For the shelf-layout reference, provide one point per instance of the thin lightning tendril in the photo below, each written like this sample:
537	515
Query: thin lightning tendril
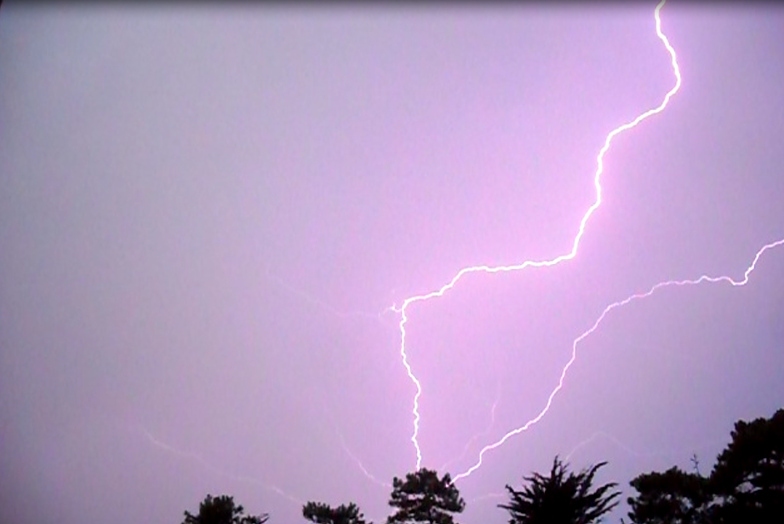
198	458
531	263
313	301
614	305
348	451
361	466
709	444
478	435
609	437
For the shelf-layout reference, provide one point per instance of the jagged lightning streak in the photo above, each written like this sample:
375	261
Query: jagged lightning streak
586	333
533	263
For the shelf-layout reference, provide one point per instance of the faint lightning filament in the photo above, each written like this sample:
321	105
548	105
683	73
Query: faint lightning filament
218	471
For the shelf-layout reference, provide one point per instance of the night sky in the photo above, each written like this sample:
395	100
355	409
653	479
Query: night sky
210	218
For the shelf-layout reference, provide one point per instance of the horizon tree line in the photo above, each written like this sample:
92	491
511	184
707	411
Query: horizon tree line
745	486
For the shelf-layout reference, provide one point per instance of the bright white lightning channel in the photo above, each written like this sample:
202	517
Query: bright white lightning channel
403	310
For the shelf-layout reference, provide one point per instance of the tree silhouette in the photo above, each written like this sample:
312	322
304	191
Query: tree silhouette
745	486
749	474
423	497
672	497
222	510
321	513
560	498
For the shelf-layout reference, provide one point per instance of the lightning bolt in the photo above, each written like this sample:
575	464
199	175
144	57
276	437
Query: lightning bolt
403	309
594	327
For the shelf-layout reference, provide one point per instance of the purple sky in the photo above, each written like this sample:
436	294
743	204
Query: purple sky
204	214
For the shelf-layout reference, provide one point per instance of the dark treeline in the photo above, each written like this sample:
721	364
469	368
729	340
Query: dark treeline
745	486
